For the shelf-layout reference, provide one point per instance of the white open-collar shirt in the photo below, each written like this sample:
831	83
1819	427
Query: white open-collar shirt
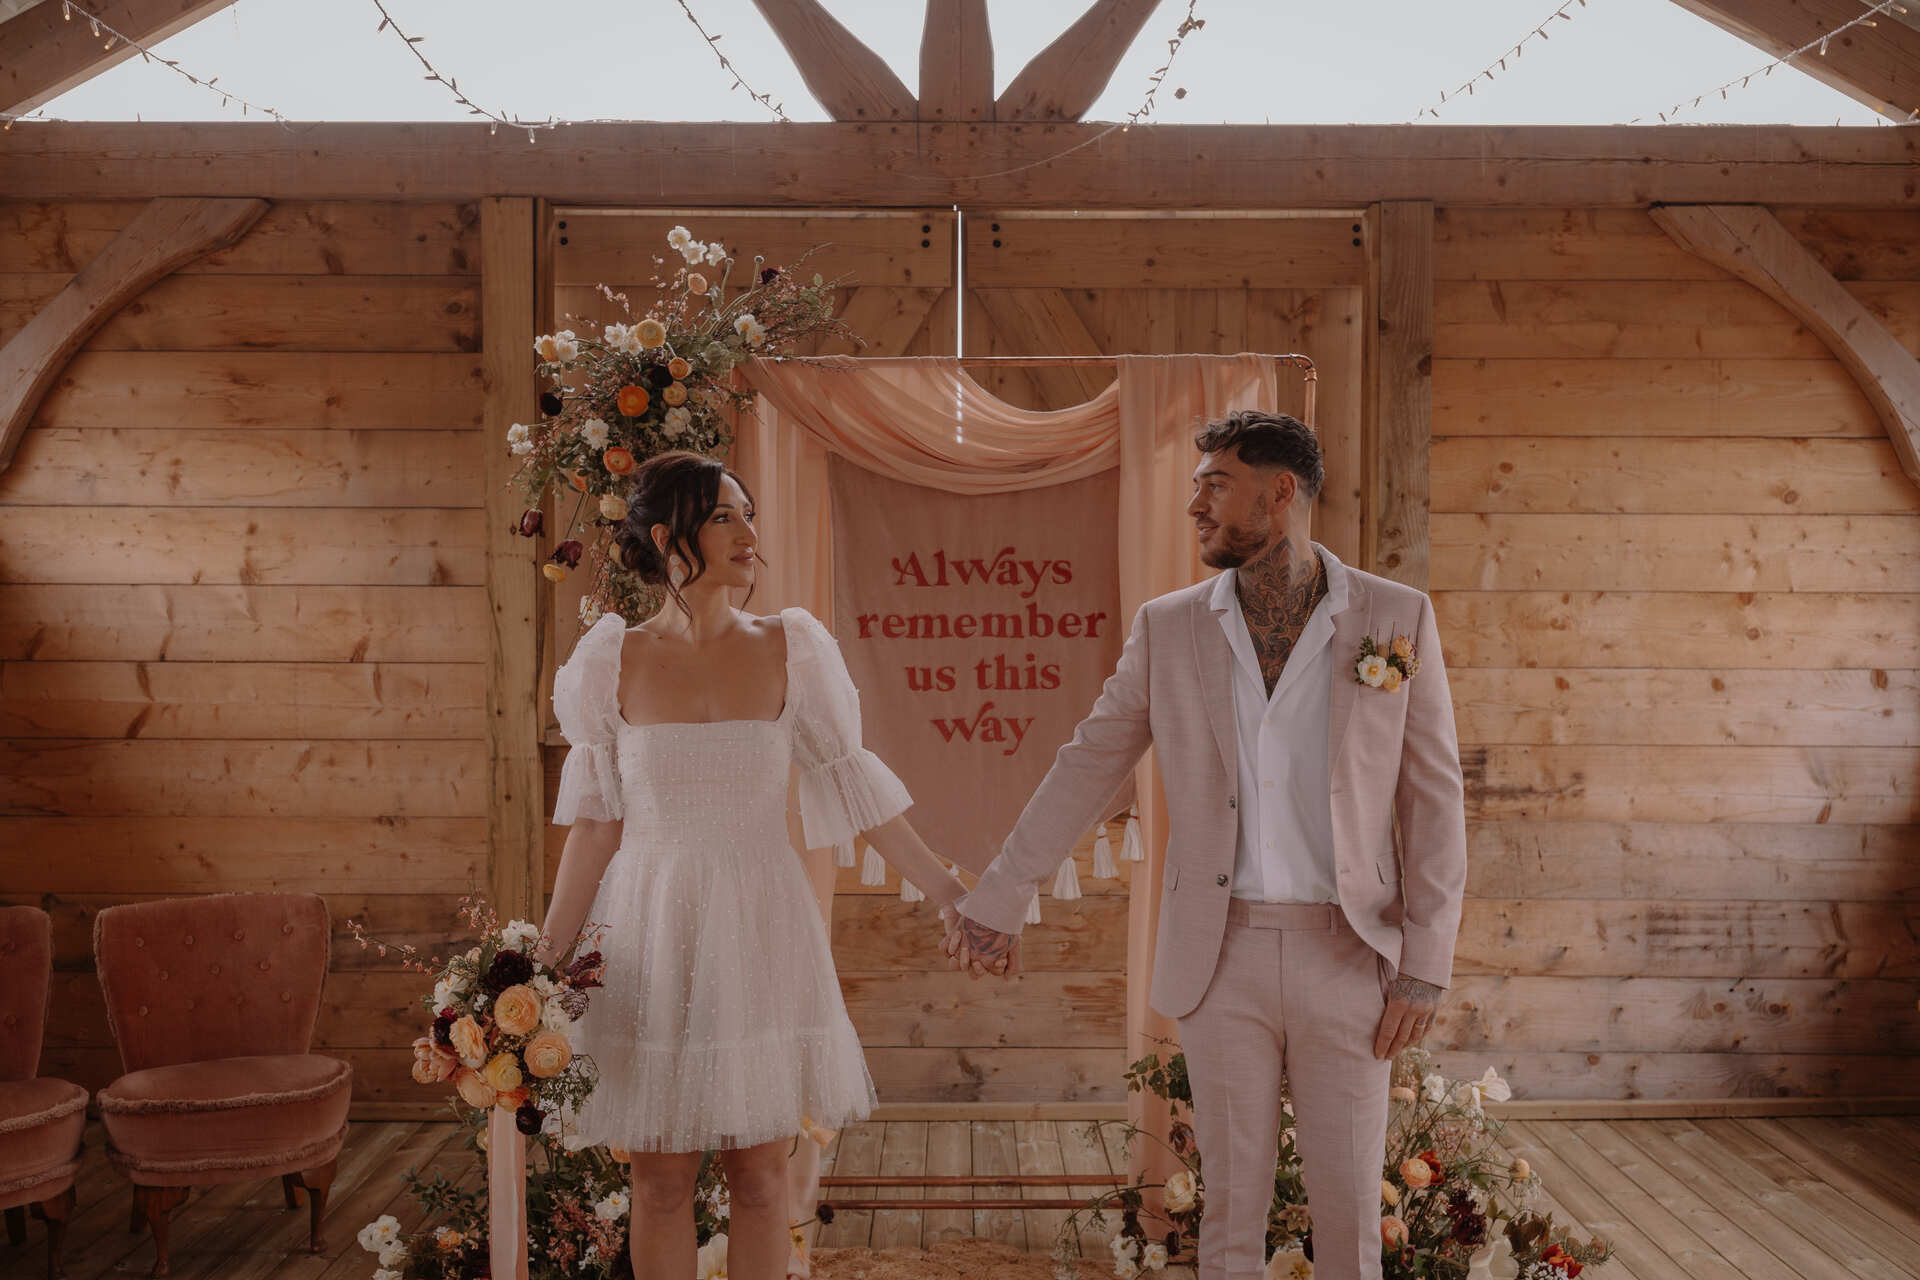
1285	848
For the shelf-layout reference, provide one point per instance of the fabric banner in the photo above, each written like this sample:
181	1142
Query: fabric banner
979	629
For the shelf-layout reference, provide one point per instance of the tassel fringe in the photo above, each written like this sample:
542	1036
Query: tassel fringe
910	892
1033	909
1066	884
1103	868
874	870
1132	847
843	854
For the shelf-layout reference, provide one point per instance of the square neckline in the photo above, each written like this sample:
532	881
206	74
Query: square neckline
786	696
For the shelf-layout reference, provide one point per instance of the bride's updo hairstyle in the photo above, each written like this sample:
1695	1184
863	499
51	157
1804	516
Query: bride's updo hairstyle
680	490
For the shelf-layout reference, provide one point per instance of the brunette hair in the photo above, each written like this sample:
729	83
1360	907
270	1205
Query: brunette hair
680	490
1262	439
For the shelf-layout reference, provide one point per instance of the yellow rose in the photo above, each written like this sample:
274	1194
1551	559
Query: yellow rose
1416	1173
651	333
517	1011
503	1073
1391	680
1402	647
548	1054
1180	1192
1389	1194
469	1041
473	1091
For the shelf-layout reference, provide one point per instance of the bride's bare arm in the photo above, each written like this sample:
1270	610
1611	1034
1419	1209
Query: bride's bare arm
590	847
907	853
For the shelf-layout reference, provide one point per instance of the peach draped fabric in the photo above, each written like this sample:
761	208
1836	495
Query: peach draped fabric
926	422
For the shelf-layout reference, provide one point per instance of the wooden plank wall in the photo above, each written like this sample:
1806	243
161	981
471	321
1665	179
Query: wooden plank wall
243	618
1677	570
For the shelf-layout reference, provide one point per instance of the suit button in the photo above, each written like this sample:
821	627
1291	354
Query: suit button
1219	879
1233	802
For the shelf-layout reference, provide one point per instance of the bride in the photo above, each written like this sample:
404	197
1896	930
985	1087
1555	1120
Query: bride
721	1022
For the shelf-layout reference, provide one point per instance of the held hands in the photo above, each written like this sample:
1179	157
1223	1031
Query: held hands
1411	1006
977	948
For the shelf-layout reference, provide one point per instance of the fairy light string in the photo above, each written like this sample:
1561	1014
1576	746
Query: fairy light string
1486	73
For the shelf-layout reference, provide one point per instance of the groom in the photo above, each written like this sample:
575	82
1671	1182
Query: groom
1292	770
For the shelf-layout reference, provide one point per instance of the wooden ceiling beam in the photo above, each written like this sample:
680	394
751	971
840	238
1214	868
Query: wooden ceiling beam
999	166
956	62
1749	242
850	81
1067	77
1877	65
43	54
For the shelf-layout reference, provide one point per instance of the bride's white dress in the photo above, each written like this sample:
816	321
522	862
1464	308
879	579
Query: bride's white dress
721	1021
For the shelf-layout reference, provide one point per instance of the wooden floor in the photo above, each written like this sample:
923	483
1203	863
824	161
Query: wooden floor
1772	1199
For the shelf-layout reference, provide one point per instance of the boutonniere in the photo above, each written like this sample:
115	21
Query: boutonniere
1386	670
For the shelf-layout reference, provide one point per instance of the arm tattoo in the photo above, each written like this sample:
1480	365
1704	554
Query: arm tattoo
986	942
1414	992
1278	593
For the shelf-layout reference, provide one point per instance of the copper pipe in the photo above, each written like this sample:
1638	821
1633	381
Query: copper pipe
973	1180
862	1206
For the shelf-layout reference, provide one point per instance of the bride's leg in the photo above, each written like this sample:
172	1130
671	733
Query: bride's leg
757	1239
661	1215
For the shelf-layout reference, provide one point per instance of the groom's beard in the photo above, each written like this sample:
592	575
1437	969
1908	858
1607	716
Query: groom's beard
1240	543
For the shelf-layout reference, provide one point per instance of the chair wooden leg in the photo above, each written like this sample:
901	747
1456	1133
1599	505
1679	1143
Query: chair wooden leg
17	1225
317	1182
57	1211
290	1186
155	1205
136	1219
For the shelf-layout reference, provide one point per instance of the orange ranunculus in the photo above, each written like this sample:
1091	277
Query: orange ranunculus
633	400
432	1063
620	1155
675	394
502	1073
513	1099
1555	1256
553	572
651	334
517	1011
473	1091
469	1041
577	480
1393	1231
1416	1173
618	461
679	368
547	1054
1434	1163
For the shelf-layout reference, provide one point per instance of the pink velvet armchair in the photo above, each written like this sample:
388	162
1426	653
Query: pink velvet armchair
41	1119
212	1002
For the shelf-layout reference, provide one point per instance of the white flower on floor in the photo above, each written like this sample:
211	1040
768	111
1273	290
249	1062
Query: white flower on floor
590	1254
521	935
379	1233
518	441
1493	1261
711	1263
613	1208
750	328
1181	1192
1154	1257
576	1141
394	1254
1471	1093
1126	1256
1434	1088
384	1274
1289	1264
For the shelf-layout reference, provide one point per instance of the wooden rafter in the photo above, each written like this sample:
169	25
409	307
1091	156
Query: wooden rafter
162	238
1399	429
1067	77
956	61
901	166
43	54
1878	65
848	80
1750	242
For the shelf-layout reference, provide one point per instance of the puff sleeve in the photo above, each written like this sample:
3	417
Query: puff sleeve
844	788
586	700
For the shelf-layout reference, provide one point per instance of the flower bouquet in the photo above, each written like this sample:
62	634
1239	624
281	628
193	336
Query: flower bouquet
639	387
1453	1206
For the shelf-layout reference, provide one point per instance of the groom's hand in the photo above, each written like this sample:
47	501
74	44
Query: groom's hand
980	949
1411	1006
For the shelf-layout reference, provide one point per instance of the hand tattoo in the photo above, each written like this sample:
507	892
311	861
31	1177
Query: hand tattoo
1278	593
1414	992
985	942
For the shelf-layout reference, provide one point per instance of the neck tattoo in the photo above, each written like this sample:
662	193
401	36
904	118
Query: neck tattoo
1278	593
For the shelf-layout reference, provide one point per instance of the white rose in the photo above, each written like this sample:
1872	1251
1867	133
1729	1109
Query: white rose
594	432
1372	670
716	254
615	335
694	252
547	347
521	935
460	982
442	995
1124	1247
679	238
519	438
750	328
1435	1088
1155	1257
384	1274
613	1208
565	346
1180	1193
379	1233
1126	1268
1289	1264
546	988
677	422
554	1017
393	1255
711	1264
576	1142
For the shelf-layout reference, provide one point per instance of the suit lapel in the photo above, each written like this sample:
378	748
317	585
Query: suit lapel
1349	628
1214	658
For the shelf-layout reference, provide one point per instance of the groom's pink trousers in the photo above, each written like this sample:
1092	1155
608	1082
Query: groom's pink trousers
1296	994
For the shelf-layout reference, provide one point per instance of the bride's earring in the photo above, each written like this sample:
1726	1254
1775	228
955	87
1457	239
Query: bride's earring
677	572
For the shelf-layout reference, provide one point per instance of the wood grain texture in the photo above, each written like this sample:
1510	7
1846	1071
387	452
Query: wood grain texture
943	1008
1014	250
1875	63
1399	433
166	233
1066	78
1751	244
43	54
848	80
906	249
956	62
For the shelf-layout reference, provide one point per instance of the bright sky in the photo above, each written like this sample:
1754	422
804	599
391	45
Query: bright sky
1283	61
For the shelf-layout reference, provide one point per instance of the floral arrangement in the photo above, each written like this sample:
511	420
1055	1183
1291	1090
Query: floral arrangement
1389	669
639	387
1453	1206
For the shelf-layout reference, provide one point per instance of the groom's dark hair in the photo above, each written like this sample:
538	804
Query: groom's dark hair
1262	439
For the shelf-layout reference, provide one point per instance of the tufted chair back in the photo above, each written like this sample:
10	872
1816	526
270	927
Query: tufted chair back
228	976
26	977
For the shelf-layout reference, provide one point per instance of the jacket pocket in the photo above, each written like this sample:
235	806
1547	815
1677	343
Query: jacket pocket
1171	880
1389	868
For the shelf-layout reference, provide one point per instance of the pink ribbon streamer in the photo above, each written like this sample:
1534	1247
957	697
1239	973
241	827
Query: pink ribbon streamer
506	1197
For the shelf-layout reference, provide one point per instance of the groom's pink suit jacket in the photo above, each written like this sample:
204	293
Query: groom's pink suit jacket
1395	763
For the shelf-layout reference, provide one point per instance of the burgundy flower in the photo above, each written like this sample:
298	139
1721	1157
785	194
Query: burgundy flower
574	1002
533	522
528	1119
443	1029
825	1214
585	970
1173	1243
769	274
550	403
568	553
508	969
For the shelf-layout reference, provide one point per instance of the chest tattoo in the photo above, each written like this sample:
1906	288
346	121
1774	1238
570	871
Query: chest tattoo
1276	608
